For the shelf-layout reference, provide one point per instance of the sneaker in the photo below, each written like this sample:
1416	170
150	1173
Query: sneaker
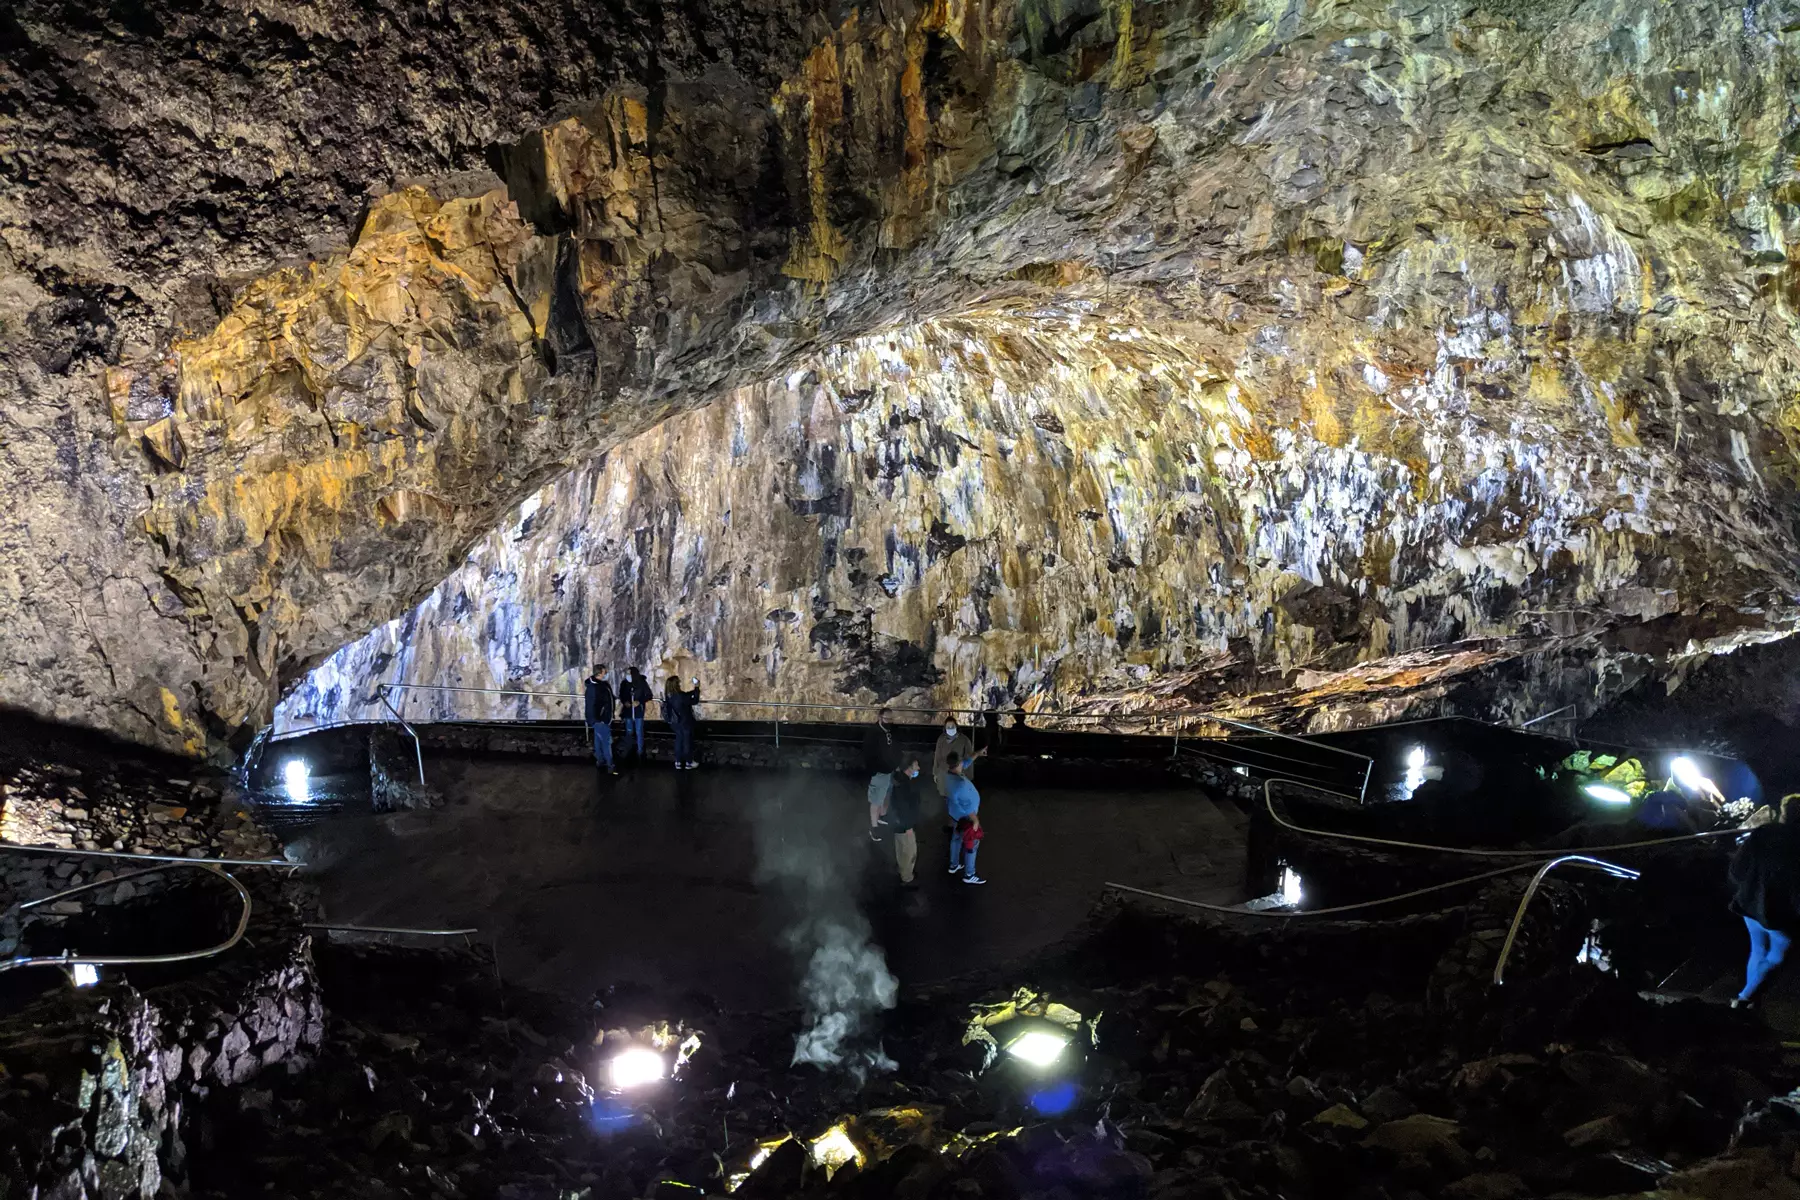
873	836
612	770
681	766
883	821
909	885
693	766
974	879
956	870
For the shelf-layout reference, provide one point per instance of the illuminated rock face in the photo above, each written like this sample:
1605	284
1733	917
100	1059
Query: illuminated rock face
1485	314
1044	510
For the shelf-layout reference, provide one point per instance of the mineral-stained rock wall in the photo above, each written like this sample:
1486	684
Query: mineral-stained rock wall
1033	507
1386	224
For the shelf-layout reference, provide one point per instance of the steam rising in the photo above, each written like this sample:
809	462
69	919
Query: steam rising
846	981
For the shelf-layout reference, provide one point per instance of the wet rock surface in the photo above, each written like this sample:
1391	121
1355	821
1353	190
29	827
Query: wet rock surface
1293	1065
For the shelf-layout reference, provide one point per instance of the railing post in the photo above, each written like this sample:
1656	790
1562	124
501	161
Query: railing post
778	729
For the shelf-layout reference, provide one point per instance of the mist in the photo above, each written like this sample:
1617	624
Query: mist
845	982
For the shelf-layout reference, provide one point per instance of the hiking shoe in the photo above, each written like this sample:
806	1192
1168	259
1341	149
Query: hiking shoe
973	879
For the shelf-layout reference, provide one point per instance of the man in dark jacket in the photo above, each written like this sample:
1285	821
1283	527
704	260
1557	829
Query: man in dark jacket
597	710
634	694
1765	891
879	751
678	710
903	816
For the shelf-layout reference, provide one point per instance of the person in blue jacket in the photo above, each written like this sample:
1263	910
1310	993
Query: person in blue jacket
597	710
964	804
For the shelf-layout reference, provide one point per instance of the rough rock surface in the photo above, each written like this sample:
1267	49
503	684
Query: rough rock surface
1539	245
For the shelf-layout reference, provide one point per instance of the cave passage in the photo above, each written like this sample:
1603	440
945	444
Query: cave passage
657	877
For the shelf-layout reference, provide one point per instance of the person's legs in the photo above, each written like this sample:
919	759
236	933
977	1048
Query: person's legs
969	860
906	853
636	725
603	743
1767	950
955	851
684	742
594	730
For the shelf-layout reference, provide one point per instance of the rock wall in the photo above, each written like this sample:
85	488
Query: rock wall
1385	225
1029	508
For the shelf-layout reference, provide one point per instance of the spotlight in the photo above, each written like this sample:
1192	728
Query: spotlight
636	1067
1605	794
294	781
84	974
1038	1047
1687	773
1290	886
1415	758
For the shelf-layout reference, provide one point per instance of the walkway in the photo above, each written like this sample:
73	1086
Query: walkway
665	878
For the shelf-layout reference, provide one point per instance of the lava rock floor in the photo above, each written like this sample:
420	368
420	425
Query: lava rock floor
1323	1062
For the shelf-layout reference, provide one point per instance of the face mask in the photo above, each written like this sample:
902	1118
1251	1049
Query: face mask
912	772
949	731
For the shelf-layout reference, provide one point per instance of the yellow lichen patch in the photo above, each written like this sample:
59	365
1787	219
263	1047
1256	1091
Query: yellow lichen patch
193	741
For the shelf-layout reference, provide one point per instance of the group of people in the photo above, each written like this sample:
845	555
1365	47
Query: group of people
895	806
599	700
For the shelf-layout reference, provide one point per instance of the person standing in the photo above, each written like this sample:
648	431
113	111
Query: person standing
597	710
903	816
880	753
964	804
678	708
951	739
1765	891
634	694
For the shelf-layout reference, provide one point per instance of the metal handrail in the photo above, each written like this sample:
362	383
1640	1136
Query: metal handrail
69	958
11	848
1555	712
387	929
418	752
1179	717
1580	860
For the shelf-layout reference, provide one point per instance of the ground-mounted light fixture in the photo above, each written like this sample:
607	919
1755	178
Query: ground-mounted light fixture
84	974
1038	1046
636	1067
634	1060
296	780
1606	794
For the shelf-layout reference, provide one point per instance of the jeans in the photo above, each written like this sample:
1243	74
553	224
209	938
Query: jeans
684	742
958	854
634	725
602	743
1768	949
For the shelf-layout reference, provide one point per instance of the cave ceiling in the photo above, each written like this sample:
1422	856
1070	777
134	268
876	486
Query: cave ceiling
1361	329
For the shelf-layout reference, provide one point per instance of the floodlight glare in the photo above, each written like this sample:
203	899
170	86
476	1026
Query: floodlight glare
636	1067
1687	773
1605	794
1038	1047
1415	758
84	974
1290	886
294	780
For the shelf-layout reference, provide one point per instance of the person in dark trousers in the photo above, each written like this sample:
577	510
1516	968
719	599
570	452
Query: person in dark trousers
964	803
678	709
880	752
903	817
1765	891
597	710
634	694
